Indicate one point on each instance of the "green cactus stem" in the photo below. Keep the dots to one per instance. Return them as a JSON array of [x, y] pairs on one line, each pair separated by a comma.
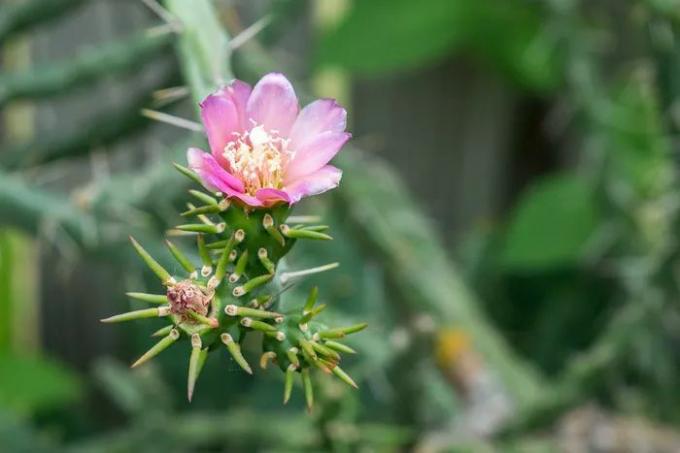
[[234, 290]]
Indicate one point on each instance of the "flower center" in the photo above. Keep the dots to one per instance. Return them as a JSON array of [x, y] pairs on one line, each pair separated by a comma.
[[258, 158]]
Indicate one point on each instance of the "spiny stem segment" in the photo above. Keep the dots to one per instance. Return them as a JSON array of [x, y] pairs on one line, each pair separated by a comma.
[[240, 252]]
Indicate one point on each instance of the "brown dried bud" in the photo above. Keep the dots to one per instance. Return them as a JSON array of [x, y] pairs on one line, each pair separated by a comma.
[[187, 296]]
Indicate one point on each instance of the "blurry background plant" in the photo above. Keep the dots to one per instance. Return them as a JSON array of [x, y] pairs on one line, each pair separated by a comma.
[[538, 140]]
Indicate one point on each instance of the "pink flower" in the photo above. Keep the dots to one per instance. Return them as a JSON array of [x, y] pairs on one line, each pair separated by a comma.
[[264, 149]]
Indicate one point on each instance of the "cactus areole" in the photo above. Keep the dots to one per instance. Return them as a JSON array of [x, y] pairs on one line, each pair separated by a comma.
[[265, 155]]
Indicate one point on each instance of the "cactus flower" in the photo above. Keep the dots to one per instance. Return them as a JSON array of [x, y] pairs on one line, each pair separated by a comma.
[[264, 149]]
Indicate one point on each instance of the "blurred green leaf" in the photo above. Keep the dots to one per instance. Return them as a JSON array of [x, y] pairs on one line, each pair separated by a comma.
[[634, 129], [551, 224], [28, 385], [381, 36], [203, 46]]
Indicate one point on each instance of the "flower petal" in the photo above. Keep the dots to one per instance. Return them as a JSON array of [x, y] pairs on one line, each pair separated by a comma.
[[247, 199], [316, 153], [214, 177], [221, 121], [320, 181], [270, 196], [240, 92], [320, 116], [273, 104]]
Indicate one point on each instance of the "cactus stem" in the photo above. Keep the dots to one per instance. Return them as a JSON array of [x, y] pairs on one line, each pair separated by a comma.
[[311, 300], [164, 275], [309, 389], [311, 314], [257, 325], [159, 347], [202, 228], [235, 310], [150, 298], [235, 351], [287, 276], [288, 384], [163, 331], [180, 257], [252, 284], [266, 262], [138, 314], [210, 322], [294, 233], [265, 358], [207, 209], [187, 172], [240, 267], [339, 347], [195, 363], [204, 197], [342, 331], [344, 377], [268, 224]]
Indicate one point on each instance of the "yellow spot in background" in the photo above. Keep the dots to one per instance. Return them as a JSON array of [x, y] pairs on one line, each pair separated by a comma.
[[451, 345]]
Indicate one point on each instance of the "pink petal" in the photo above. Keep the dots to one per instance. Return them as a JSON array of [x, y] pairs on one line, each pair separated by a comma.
[[213, 175], [272, 196], [247, 199], [316, 153], [273, 103], [221, 121], [320, 116], [240, 92], [324, 179]]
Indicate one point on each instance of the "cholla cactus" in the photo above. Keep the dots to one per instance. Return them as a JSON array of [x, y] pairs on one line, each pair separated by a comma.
[[265, 156]]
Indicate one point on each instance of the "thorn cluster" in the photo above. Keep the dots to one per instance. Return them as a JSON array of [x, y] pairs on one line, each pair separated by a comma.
[[235, 290]]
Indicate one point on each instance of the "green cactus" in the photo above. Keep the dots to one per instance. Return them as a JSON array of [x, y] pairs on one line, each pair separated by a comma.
[[236, 291]]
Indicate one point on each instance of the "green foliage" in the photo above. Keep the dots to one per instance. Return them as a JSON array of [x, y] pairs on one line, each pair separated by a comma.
[[105, 61], [29, 385], [18, 16], [551, 225], [382, 36], [204, 47]]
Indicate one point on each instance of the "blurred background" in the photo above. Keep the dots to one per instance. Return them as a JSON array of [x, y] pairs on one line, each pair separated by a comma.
[[507, 223]]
